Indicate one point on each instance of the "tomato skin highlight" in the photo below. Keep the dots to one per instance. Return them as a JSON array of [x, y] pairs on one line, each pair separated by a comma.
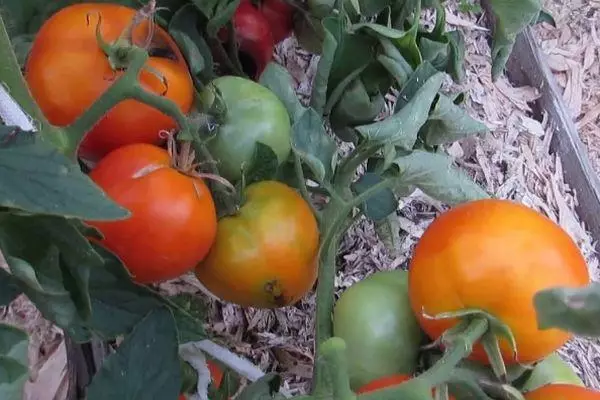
[[67, 72], [254, 114], [375, 320], [562, 392], [173, 217], [494, 255], [266, 255]]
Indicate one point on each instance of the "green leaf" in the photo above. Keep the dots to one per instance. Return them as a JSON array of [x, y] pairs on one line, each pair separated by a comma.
[[401, 129], [456, 58], [263, 165], [546, 17], [421, 75], [318, 98], [573, 310], [278, 80], [206, 7], [388, 231], [264, 388], [448, 123], [36, 178], [184, 30], [551, 369], [436, 52], [382, 203], [405, 41], [145, 366], [9, 289], [356, 106], [13, 362], [512, 17], [435, 176], [222, 15], [313, 145]]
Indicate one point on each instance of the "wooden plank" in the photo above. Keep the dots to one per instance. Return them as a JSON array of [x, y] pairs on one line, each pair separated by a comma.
[[527, 66]]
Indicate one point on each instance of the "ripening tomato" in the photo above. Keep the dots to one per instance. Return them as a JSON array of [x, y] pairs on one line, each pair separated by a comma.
[[267, 254], [562, 392], [216, 373], [280, 15], [67, 72], [494, 255], [387, 381], [173, 221]]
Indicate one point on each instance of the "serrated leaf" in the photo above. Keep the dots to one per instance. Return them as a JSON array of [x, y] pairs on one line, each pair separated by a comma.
[[278, 80], [263, 165], [405, 41], [184, 30], [318, 96], [13, 362], [145, 365], [263, 389], [401, 129], [435, 175], [422, 74], [448, 123], [189, 315], [36, 178], [382, 203], [9, 289], [312, 144], [512, 17], [388, 231], [573, 310]]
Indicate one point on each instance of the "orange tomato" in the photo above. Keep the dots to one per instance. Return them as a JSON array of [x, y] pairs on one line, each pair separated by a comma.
[[385, 382], [67, 72], [173, 221], [494, 255], [266, 255], [215, 372], [562, 392]]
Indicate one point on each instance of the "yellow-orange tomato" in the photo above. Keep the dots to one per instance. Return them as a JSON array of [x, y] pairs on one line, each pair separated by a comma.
[[67, 71], [173, 219], [266, 255], [494, 255], [562, 392]]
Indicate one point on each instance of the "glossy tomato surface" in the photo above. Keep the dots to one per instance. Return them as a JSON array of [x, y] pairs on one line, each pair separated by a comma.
[[265, 255], [254, 37], [173, 218], [375, 320], [254, 114], [563, 392], [388, 381], [67, 72], [494, 255]]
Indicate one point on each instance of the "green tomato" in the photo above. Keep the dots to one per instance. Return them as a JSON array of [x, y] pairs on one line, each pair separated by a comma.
[[253, 114], [551, 369], [381, 332]]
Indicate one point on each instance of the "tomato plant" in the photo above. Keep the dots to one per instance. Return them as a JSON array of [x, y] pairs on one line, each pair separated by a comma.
[[388, 381], [562, 392], [494, 255], [67, 71], [551, 370], [252, 114], [255, 260], [180, 204], [375, 320]]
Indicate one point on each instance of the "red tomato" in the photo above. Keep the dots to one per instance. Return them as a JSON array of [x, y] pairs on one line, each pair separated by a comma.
[[385, 382], [280, 16], [173, 222], [494, 255], [562, 392], [67, 72], [215, 372]]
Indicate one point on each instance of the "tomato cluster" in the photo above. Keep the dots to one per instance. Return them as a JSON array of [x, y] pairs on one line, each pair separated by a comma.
[[250, 257], [488, 255]]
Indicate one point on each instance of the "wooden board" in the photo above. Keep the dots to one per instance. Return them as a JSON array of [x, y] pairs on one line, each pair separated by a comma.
[[527, 66]]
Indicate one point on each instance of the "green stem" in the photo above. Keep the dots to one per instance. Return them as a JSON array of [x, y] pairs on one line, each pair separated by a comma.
[[333, 356], [303, 188], [350, 164]]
